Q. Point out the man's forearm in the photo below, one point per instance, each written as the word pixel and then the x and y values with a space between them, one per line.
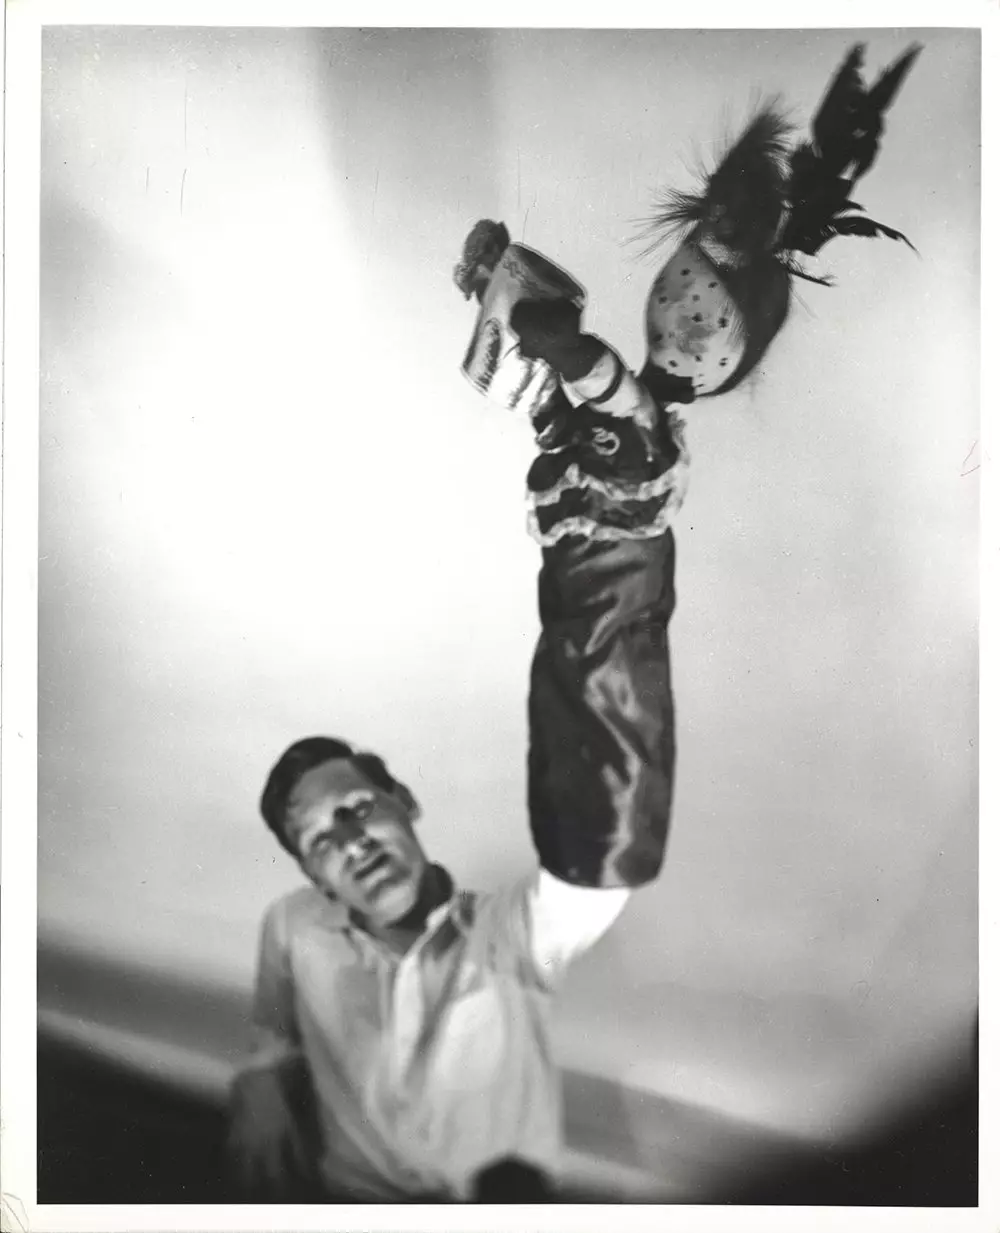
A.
pixel 273 1138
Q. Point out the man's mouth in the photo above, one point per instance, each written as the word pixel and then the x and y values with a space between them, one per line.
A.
pixel 369 869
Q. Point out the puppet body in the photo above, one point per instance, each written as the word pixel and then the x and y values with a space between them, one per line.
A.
pixel 612 466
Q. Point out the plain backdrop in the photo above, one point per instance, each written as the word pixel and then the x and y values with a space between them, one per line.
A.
pixel 271 506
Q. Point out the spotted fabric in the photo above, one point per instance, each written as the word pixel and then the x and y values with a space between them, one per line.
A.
pixel 693 326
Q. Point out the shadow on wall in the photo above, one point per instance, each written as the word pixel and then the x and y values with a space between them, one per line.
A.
pixel 928 1157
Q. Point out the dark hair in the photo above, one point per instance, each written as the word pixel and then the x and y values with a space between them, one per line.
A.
pixel 484 245
pixel 302 757
pixel 512 1180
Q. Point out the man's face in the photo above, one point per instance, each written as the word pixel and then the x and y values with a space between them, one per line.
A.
pixel 356 840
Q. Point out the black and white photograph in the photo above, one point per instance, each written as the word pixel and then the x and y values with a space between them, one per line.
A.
pixel 497 666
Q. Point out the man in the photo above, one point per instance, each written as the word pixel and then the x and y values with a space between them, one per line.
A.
pixel 419 1011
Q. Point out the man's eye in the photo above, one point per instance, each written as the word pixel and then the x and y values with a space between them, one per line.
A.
pixel 363 809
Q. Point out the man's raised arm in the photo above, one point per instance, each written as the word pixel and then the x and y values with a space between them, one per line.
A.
pixel 610 473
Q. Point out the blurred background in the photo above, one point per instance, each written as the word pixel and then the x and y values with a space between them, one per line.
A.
pixel 271 506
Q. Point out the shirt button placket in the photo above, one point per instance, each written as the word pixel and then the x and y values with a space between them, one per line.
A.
pixel 407 1010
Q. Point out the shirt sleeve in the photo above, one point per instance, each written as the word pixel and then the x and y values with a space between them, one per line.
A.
pixel 273 1012
pixel 565 920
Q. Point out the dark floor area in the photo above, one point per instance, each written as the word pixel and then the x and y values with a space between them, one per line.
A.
pixel 106 1135
pixel 928 1158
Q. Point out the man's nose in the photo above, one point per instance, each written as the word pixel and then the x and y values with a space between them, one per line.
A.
pixel 350 829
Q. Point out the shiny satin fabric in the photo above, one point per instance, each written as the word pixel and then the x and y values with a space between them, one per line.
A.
pixel 601 715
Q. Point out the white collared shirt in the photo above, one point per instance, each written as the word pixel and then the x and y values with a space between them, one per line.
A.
pixel 428 1066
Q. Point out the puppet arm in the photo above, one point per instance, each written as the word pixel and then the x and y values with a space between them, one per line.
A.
pixel 591 371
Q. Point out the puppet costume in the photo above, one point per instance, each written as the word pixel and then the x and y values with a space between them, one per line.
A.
pixel 612 465
pixel 601 717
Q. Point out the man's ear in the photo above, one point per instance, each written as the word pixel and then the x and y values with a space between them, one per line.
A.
pixel 406 797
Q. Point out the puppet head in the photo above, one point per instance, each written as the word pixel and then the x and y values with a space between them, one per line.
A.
pixel 501 278
pixel 719 301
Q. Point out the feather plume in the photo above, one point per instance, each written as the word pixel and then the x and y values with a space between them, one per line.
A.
pixel 793 267
pixel 739 205
pixel 844 143
pixel 764 197
pixel 745 194
pixel 766 205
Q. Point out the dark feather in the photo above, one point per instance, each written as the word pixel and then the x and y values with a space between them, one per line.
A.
pixel 838 107
pixel 887 87
pixel 875 103
pixel 744 197
pixel 855 225
pixel 675 211
pixel 845 135
pixel 794 268
pixel 740 203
